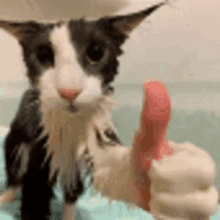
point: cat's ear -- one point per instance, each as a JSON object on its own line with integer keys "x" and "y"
{"x": 21, "y": 30}
{"x": 127, "y": 23}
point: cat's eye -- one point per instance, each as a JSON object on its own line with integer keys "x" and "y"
{"x": 45, "y": 54}
{"x": 95, "y": 53}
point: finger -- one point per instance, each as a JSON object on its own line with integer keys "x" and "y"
{"x": 148, "y": 137}
{"x": 157, "y": 103}
{"x": 154, "y": 117}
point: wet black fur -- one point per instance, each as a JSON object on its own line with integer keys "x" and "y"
{"x": 26, "y": 128}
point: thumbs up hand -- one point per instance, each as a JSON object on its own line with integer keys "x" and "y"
{"x": 174, "y": 181}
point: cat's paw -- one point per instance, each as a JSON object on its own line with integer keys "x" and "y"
{"x": 9, "y": 195}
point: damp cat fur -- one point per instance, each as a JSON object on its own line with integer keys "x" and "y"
{"x": 64, "y": 119}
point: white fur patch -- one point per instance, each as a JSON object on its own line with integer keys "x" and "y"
{"x": 22, "y": 154}
{"x": 68, "y": 72}
{"x": 50, "y": 98}
{"x": 91, "y": 95}
{"x": 75, "y": 132}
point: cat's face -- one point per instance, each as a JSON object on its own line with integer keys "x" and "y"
{"x": 72, "y": 63}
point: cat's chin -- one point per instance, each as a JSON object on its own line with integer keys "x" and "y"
{"x": 80, "y": 109}
{"x": 72, "y": 109}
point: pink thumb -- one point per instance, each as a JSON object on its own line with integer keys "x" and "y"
{"x": 150, "y": 142}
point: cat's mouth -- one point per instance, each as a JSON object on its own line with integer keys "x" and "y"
{"x": 72, "y": 108}
{"x": 75, "y": 107}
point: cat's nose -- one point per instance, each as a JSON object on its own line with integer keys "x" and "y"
{"x": 69, "y": 94}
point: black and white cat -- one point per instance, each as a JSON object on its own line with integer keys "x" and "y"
{"x": 63, "y": 123}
